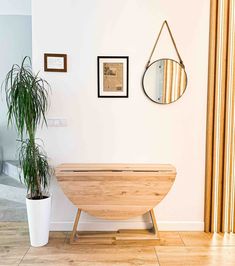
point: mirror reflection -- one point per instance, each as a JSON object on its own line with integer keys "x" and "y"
{"x": 164, "y": 81}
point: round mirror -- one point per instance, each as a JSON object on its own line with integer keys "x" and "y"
{"x": 164, "y": 81}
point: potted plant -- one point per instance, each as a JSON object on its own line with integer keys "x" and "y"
{"x": 27, "y": 101}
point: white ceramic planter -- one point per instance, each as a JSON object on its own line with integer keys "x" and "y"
{"x": 38, "y": 212}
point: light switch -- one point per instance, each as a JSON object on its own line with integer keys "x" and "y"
{"x": 57, "y": 122}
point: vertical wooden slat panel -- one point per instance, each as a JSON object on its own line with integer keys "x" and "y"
{"x": 220, "y": 149}
{"x": 219, "y": 116}
{"x": 178, "y": 80}
{"x": 210, "y": 114}
{"x": 229, "y": 129}
{"x": 170, "y": 81}
{"x": 168, "y": 78}
{"x": 174, "y": 83}
{"x": 182, "y": 81}
{"x": 165, "y": 83}
{"x": 231, "y": 88}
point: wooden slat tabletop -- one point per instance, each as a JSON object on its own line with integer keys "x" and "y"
{"x": 115, "y": 191}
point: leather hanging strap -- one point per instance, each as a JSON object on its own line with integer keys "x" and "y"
{"x": 167, "y": 25}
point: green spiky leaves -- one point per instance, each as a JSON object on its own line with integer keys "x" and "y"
{"x": 27, "y": 101}
{"x": 27, "y": 98}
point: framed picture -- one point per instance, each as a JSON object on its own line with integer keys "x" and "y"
{"x": 55, "y": 62}
{"x": 113, "y": 76}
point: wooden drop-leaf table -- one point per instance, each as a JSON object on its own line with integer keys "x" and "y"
{"x": 115, "y": 192}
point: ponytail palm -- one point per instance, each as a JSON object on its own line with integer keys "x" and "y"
{"x": 27, "y": 98}
{"x": 27, "y": 101}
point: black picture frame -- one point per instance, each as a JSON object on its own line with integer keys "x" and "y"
{"x": 111, "y": 59}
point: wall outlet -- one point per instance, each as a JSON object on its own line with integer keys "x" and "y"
{"x": 57, "y": 122}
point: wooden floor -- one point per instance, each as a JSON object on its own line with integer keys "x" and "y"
{"x": 175, "y": 248}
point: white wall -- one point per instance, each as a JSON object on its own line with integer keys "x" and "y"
{"x": 15, "y": 7}
{"x": 133, "y": 129}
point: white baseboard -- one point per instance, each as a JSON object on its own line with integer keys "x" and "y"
{"x": 111, "y": 226}
{"x": 181, "y": 226}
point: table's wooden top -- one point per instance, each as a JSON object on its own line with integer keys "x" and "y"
{"x": 115, "y": 191}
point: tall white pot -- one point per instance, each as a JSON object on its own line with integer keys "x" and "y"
{"x": 39, "y": 212}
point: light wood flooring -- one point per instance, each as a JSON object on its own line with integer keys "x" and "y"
{"x": 175, "y": 248}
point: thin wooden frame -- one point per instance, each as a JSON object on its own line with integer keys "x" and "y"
{"x": 47, "y": 69}
{"x": 99, "y": 80}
